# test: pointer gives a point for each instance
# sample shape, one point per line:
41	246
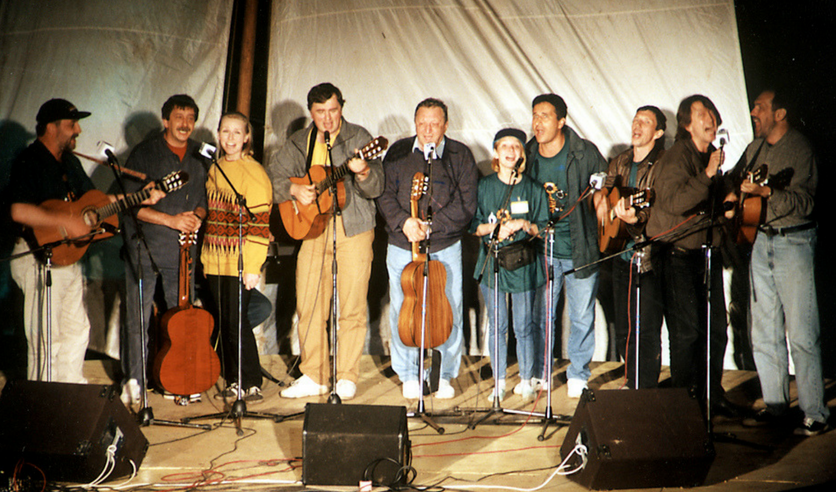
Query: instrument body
612	231
96	209
309	221
425	310
751	209
186	363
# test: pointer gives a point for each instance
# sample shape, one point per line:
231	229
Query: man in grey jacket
330	136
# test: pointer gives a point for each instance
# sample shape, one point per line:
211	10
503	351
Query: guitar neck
337	173
125	203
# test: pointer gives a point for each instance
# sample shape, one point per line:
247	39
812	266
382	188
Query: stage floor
268	454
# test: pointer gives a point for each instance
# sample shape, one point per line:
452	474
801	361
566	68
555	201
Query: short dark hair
323	92
683	114
432	102
782	99
556	101
661	119
182	101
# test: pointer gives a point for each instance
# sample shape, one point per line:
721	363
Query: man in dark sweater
454	179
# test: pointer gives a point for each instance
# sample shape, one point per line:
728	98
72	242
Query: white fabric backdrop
488	59
119	60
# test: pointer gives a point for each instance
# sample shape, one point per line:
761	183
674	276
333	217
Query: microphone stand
238	410
145	416
333	398
421	412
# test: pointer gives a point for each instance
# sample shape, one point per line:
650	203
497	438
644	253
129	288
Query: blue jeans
784	307
580	301
405	359
524	329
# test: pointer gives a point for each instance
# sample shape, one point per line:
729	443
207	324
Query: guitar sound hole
91	218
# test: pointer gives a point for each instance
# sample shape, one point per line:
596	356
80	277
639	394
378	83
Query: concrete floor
268	455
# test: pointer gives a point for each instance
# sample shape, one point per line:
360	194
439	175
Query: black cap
510	132
59	109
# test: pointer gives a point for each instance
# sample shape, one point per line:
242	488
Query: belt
783	231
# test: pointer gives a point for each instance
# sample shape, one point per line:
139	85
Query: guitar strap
311	144
754	159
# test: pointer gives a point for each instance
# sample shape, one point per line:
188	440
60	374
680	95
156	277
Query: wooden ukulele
186	364
309	221
435	319
95	208
751	209
612	231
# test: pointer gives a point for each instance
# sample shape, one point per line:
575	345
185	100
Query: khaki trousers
313	300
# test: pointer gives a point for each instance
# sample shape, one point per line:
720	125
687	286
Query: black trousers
626	289
686	313
225	294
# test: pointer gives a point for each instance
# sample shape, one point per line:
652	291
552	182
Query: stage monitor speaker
345	444
639	439
65	430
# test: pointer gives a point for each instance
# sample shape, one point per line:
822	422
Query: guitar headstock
187	238
642	198
759	175
374	148
419	186
172	182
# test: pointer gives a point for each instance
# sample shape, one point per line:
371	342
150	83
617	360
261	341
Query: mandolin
309	221
752	209
612	231
100	214
423	279
186	364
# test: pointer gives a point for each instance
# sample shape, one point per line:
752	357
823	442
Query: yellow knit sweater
219	254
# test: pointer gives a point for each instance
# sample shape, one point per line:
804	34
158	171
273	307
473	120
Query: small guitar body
309	221
186	363
752	209
612	231
433	319
95	208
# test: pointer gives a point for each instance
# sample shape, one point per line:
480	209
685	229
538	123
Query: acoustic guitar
309	221
423	280
186	364
97	211
612	231
751	209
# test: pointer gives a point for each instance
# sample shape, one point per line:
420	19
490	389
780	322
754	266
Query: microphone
208	151
429	151
724	137
327	137
596	180
518	165
106	150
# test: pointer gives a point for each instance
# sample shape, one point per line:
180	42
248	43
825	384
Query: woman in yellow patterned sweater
220	251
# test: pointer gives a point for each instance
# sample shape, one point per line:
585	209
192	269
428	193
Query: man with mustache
783	294
689	196
179	212
48	170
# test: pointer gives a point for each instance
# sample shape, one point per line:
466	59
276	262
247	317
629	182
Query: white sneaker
411	390
304	387
498	388
445	390
575	387
526	391
534	384
130	393
346	389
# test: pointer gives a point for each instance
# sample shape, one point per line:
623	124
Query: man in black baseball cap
48	170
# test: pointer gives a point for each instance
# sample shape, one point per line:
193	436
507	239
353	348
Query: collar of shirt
439	151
